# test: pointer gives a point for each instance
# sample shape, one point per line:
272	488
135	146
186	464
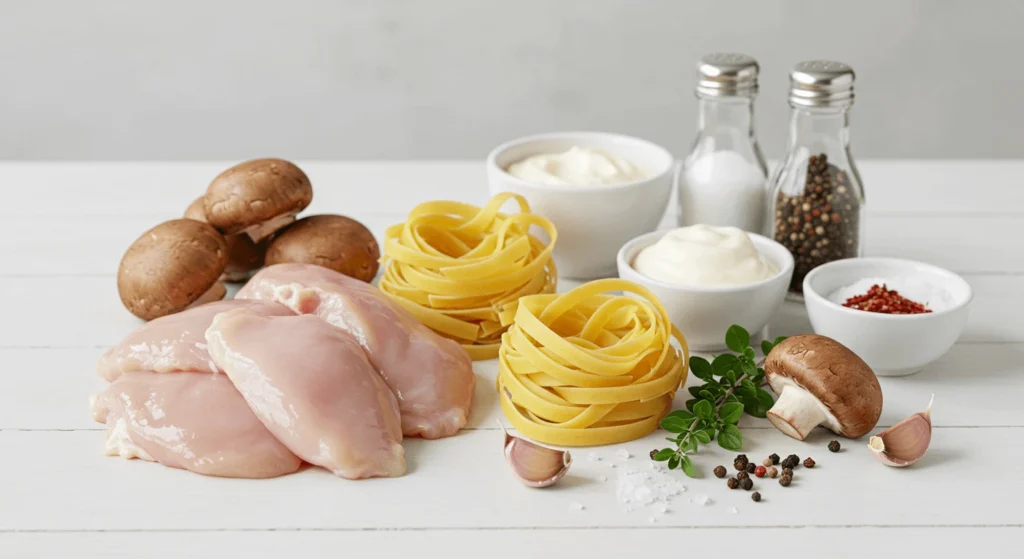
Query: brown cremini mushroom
244	255
330	241
821	382
257	197
171	267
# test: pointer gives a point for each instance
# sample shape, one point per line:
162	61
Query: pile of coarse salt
638	488
934	298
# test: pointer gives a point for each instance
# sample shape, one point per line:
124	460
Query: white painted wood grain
829	542
66	225
64	483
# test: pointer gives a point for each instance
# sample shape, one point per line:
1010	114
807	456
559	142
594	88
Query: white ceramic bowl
704	313
892	345
592	221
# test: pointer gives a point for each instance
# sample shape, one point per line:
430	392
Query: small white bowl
892	345
704	313
592	221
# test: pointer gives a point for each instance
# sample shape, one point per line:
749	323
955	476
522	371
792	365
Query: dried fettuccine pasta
589	368
454	266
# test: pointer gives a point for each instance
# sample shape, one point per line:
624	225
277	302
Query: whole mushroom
330	241
257	197
244	255
171	267
821	382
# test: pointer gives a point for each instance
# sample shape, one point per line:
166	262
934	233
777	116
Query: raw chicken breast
314	388
174	343
193	421
431	376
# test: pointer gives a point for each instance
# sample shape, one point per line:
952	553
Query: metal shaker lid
724	74
821	83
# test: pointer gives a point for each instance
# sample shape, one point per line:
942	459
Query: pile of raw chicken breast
304	365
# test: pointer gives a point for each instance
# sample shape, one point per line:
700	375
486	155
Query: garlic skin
906	442
533	464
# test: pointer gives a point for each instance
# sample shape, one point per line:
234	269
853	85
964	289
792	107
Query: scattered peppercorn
720	471
760	471
833	446
742	475
774	458
733	483
653	452
787	471
746	484
786	480
773	472
809	462
742	458
740	466
767	463
794	458
750	467
756	497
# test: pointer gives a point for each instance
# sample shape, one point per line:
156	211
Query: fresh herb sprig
732	385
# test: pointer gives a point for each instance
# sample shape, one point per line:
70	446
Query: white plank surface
65	226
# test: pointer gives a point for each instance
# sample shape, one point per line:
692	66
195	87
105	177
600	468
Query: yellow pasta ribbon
589	368
454	266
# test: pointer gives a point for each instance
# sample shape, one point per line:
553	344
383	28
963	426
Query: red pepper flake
887	301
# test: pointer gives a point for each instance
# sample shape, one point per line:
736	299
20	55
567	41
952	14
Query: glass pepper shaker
722	181
815	195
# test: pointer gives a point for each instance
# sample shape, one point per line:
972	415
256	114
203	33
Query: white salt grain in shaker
723	179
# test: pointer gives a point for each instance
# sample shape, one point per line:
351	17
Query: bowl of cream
710	278
598	189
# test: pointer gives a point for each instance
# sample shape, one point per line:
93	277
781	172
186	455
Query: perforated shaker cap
821	83
725	74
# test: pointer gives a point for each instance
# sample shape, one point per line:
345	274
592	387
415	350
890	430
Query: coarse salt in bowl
891	344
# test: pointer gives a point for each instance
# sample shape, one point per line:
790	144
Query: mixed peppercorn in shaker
820	223
815	194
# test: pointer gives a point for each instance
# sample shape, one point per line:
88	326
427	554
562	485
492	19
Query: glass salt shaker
815	195
722	181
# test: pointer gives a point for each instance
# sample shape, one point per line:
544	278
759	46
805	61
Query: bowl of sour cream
709	278
598	189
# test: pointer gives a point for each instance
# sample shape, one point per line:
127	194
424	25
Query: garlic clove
533	464
906	442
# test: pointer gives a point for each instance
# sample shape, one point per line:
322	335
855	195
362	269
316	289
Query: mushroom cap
169	267
330	241
833	374
196	210
244	255
254	192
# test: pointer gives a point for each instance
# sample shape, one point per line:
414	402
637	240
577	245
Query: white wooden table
64	227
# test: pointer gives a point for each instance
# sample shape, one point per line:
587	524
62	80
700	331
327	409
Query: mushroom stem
797	412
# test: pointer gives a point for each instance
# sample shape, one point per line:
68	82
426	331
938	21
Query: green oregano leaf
664	454
688	468
724	363
704	410
731	412
737	338
702	436
730	438
674	424
673	462
749	353
766	348
700	367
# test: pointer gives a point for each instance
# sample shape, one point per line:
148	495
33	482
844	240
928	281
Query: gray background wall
228	79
